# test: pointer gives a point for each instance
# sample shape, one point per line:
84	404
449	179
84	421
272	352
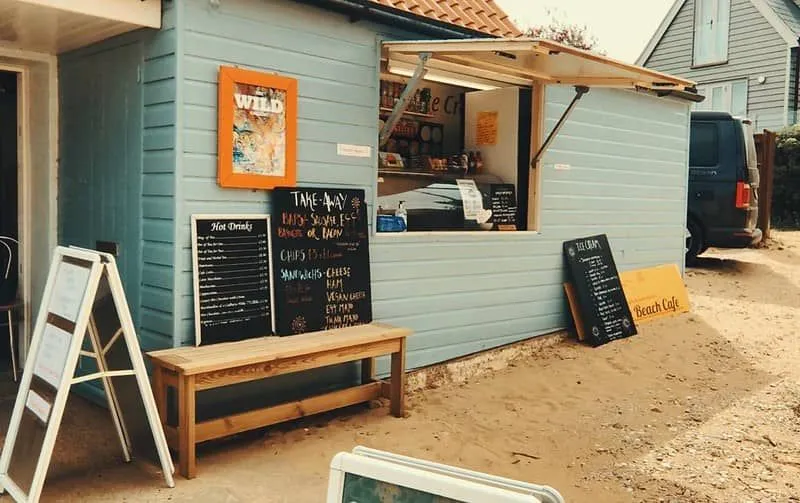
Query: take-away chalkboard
601	300
504	206
321	255
232	277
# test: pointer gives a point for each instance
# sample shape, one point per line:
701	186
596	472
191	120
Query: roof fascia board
772	17
761	6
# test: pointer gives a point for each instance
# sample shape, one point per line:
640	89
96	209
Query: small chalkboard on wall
604	314
232	277
504	206
321	254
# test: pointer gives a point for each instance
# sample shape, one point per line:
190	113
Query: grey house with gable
742	53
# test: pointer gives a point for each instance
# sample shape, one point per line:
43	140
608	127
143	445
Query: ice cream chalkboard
321	257
232	285
604	310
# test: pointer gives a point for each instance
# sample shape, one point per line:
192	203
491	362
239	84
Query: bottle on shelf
384	93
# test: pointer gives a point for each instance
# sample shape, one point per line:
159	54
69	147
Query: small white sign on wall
346	150
562	167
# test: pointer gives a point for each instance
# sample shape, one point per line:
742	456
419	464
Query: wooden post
399	381
537	137
186	427
765	150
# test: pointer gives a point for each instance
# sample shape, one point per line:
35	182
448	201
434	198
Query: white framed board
373	476
67	317
232	277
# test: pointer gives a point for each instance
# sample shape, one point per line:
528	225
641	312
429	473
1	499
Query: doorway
9	199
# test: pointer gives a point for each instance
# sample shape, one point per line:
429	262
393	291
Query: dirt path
703	407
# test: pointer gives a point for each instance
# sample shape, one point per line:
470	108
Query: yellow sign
486	129
655	292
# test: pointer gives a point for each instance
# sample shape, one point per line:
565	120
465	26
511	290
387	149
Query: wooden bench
193	369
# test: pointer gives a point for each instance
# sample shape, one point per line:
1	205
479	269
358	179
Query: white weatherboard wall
628	156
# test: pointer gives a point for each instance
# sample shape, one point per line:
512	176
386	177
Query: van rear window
704	145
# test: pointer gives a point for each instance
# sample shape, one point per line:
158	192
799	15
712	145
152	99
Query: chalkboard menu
504	206
604	310
321	254
232	285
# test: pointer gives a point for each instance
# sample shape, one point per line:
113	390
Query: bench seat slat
196	360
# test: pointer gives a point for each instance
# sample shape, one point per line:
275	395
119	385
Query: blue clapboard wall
627	155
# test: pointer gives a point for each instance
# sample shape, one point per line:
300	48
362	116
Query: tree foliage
786	182
560	31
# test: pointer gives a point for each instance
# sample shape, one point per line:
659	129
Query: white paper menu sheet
471	198
52	355
70	285
38	406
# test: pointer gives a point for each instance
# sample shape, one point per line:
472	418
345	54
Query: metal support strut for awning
402	102
579	92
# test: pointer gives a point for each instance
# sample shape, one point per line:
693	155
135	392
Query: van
723	184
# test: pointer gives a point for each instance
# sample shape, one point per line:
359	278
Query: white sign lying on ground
368	475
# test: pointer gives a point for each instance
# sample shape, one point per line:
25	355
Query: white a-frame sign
83	292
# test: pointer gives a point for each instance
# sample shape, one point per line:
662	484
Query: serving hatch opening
487	161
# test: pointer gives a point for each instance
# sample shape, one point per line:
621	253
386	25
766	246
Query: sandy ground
704	407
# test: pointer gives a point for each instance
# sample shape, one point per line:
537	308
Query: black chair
9	302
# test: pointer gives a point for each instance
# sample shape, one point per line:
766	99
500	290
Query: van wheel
694	242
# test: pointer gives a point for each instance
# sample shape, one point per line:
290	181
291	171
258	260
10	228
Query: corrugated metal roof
479	15
788	11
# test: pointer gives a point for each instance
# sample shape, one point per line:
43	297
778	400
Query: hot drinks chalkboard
232	286
321	255
604	310
504	206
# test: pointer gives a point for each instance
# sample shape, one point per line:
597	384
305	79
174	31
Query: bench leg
399	381
367	370
160	393
187	461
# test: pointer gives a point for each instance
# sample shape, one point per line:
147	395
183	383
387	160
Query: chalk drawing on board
68	291
51	359
38	406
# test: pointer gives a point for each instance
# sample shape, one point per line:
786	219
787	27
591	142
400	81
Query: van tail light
742	195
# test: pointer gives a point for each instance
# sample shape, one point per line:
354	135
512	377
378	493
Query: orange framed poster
257	135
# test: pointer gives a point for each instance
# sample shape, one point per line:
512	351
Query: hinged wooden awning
524	62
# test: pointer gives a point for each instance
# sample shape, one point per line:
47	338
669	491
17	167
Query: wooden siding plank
159	161
163	43
158	184
158	276
161	114
161	207
299	19
162	91
160	231
157	299
159	138
157	253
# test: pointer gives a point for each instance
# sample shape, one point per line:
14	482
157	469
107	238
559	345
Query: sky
622	27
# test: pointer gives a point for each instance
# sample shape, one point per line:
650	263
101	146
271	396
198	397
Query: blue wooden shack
137	140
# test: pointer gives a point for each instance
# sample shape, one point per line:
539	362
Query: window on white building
711	23
728	97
